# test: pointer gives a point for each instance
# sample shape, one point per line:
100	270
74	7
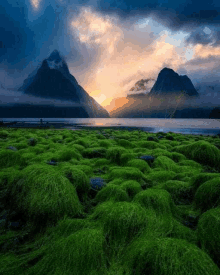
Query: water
153	125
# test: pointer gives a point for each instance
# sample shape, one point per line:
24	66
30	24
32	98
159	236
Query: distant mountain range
171	95
53	80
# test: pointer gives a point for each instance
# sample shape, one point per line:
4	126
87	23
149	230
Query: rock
97	183
191	221
151	139
10	220
148	159
32	141
52	162
12	148
170	137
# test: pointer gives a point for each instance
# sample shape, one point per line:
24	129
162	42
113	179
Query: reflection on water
154	125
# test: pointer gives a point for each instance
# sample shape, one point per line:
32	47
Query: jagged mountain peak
170	83
55	56
55	61
167	71
53	80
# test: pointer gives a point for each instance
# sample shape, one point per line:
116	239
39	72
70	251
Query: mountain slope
171	96
169	83
53	80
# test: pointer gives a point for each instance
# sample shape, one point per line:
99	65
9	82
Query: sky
110	45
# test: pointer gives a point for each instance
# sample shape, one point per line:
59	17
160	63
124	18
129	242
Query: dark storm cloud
26	37
216	38
16	39
199	36
175	15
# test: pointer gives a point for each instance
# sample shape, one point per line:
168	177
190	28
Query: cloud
109	46
175	15
13	97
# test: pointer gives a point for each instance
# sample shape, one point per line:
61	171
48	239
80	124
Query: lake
153	125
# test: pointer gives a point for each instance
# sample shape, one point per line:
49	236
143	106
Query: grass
138	222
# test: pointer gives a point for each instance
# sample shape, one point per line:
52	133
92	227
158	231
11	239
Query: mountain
53	80
215	113
142	86
171	96
169	83
27	110
29	79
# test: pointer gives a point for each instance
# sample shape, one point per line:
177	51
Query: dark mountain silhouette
53	80
215	113
169	83
45	111
172	96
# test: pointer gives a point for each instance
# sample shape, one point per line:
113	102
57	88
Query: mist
15	97
207	99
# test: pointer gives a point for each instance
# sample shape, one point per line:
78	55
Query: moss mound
153	257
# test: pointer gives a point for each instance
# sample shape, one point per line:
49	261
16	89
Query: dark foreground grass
137	223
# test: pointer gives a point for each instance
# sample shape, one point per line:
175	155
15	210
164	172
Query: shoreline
76	126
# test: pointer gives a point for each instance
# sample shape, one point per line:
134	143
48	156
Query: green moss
111	192
154	256
94	152
85	142
117	181
114	154
208	232
177	157
43	192
180	231
202	152
125	143
127	173
9	158
199	179
178	189
86	257
208	195
150	145
160	176
122	221
132	224
101	162
132	187
105	143
76	176
126	157
158	199
142	165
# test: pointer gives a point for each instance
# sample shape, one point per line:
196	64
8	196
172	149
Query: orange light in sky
127	53
35	3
